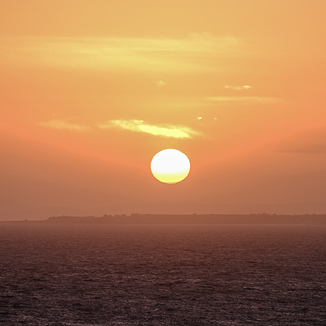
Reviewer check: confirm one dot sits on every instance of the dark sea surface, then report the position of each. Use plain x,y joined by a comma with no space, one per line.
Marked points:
162,274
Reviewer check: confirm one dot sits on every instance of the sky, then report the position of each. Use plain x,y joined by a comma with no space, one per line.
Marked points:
90,91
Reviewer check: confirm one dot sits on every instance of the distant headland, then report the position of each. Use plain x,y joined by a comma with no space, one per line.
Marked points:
306,219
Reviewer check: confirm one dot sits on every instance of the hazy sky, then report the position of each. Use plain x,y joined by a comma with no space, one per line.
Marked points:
91,90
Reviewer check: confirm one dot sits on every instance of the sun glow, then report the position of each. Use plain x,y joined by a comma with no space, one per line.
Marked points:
170,166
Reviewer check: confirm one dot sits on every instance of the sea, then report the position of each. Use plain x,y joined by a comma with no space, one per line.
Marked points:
94,275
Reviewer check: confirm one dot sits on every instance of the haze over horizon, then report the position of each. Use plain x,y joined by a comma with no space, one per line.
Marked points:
91,91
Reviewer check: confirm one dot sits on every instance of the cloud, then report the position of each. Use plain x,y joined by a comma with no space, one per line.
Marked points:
121,54
202,102
238,88
241,99
62,125
171,131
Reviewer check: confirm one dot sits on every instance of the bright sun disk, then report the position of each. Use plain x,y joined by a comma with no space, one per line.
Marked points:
170,166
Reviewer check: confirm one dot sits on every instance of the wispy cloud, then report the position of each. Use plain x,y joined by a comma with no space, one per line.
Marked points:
145,54
241,99
238,88
171,131
62,125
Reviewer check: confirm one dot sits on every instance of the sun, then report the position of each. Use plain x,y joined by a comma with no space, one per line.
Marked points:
170,166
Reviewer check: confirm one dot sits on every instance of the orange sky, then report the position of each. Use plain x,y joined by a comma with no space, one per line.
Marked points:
90,91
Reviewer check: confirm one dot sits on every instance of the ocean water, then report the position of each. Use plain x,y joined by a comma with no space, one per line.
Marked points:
162,274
